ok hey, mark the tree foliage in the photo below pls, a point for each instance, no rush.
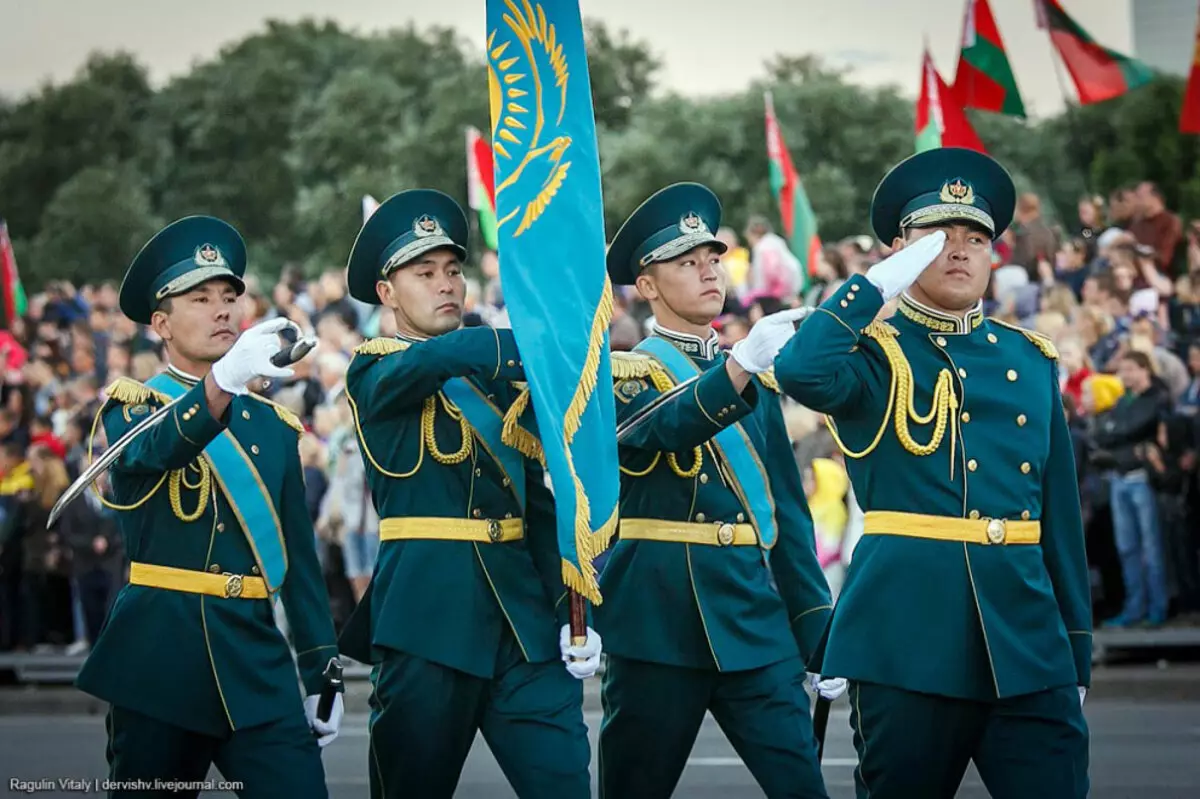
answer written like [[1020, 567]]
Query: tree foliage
[[284, 131]]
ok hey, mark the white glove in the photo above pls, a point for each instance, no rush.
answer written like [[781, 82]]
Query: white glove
[[756, 352], [250, 357], [582, 661], [326, 730], [901, 269], [830, 688], [1082, 695]]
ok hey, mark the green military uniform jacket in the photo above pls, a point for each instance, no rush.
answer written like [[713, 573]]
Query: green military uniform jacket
[[447, 601], [966, 620], [204, 663], [695, 605]]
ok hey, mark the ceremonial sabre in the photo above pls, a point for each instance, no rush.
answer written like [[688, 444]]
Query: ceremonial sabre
[[290, 354]]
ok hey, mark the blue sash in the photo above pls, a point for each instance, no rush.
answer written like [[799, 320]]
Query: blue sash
[[488, 422], [245, 491], [733, 445]]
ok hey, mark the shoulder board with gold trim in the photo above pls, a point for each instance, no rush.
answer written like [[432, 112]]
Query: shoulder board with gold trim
[[381, 346], [768, 380], [632, 365], [285, 415], [1042, 342], [128, 391]]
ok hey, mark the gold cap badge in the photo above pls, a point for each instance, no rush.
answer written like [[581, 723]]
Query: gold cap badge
[[957, 191]]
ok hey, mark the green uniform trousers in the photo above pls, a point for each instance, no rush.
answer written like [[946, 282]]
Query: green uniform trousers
[[424, 717], [280, 758], [653, 712], [1027, 747]]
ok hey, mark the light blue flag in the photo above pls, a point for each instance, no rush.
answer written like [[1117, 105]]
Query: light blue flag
[[550, 219]]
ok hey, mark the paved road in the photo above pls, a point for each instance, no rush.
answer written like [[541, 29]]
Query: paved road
[[1139, 751]]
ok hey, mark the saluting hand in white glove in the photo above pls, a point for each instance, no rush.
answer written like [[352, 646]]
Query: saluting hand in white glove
[[756, 352], [901, 269], [250, 357]]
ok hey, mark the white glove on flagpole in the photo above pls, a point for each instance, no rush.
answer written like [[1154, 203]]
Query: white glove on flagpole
[[829, 688], [326, 730], [582, 661], [250, 357], [901, 269], [756, 352]]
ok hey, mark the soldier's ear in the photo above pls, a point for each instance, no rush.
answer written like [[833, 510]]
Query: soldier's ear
[[647, 286], [161, 324], [898, 243], [383, 289]]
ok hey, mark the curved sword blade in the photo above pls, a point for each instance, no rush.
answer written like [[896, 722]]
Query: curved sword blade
[[101, 464]]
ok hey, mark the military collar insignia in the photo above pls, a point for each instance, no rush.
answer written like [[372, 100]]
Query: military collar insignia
[[208, 255], [957, 192], [691, 224], [939, 321], [425, 225], [692, 346]]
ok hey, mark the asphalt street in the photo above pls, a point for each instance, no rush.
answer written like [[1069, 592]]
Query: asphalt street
[[1139, 750]]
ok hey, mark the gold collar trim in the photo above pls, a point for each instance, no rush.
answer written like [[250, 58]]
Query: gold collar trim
[[688, 344], [939, 321]]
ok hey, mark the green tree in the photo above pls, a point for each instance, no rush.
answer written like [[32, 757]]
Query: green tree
[[623, 73], [93, 226]]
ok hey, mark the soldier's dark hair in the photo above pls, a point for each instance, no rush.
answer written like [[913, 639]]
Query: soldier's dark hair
[[167, 305]]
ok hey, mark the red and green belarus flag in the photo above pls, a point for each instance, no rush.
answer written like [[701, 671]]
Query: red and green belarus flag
[[1189, 119], [14, 292], [984, 78], [481, 185], [1098, 73], [941, 120], [799, 221]]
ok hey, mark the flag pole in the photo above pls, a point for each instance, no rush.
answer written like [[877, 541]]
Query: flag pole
[[1073, 136]]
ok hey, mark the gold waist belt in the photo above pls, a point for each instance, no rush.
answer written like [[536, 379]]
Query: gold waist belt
[[226, 586], [713, 534], [440, 528], [949, 528]]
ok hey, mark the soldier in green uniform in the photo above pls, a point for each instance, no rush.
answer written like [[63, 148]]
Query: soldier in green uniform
[[466, 617], [964, 624], [213, 519], [713, 598]]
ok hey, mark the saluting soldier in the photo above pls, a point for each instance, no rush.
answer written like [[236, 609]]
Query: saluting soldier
[[964, 625], [213, 519], [713, 597], [466, 618]]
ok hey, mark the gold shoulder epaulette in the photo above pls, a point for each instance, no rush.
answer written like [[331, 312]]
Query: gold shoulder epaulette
[[128, 391], [767, 378], [879, 330], [285, 415], [638, 366], [1042, 342], [381, 346]]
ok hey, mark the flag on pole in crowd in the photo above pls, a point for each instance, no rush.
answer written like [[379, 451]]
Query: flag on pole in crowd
[[14, 293], [481, 185], [984, 77], [941, 120], [1039, 11], [1189, 118], [550, 232], [799, 221], [1098, 73], [369, 204]]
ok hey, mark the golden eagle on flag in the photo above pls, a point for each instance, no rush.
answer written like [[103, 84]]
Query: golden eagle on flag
[[550, 221]]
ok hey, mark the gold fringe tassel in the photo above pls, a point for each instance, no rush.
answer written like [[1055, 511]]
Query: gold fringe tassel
[[128, 391], [381, 346]]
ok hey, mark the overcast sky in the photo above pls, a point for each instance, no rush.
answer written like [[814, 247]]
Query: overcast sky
[[707, 46]]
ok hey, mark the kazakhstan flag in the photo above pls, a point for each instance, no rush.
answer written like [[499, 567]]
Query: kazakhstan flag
[[550, 218]]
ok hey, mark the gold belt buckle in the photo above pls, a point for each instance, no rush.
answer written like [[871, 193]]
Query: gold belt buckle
[[494, 531], [725, 534], [997, 531], [233, 585]]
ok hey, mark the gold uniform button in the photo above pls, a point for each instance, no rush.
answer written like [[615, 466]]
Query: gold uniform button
[[992, 338], [1025, 467], [246, 415], [741, 517], [220, 527], [512, 363], [972, 464], [962, 373], [215, 568], [966, 417], [973, 514], [1025, 515], [477, 513], [1012, 375], [1021, 420], [254, 448], [508, 515], [703, 478], [254, 570], [506, 482], [845, 304], [700, 517], [941, 341], [479, 472]]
